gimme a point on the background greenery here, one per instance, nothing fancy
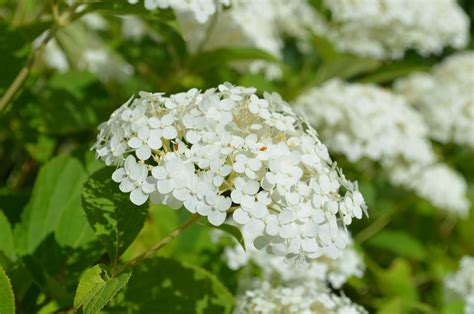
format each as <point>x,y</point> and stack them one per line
<point>49,237</point>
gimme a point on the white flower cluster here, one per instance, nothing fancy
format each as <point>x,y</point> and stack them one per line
<point>324,270</point>
<point>366,121</point>
<point>294,299</point>
<point>462,283</point>
<point>201,9</point>
<point>387,28</point>
<point>445,98</point>
<point>228,153</point>
<point>441,185</point>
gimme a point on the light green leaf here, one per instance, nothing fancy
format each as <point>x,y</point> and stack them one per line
<point>398,242</point>
<point>344,67</point>
<point>164,285</point>
<point>391,72</point>
<point>398,281</point>
<point>55,207</point>
<point>6,238</point>
<point>7,299</point>
<point>96,288</point>
<point>114,218</point>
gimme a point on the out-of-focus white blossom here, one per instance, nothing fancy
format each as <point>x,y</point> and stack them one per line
<point>437,183</point>
<point>133,27</point>
<point>306,298</point>
<point>105,65</point>
<point>366,121</point>
<point>387,28</point>
<point>202,10</point>
<point>334,271</point>
<point>228,154</point>
<point>445,98</point>
<point>54,57</point>
<point>462,283</point>
<point>94,21</point>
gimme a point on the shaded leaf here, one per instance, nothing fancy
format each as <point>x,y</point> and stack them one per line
<point>163,285</point>
<point>114,218</point>
<point>96,288</point>
<point>398,281</point>
<point>7,299</point>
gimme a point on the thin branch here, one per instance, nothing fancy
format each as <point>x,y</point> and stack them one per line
<point>162,243</point>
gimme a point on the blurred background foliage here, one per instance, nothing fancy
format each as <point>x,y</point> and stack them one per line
<point>47,130</point>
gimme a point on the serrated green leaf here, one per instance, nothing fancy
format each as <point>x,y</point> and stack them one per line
<point>114,218</point>
<point>55,206</point>
<point>7,247</point>
<point>399,242</point>
<point>96,288</point>
<point>163,285</point>
<point>7,299</point>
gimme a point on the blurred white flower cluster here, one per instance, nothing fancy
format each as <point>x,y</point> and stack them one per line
<point>228,153</point>
<point>323,270</point>
<point>202,10</point>
<point>387,28</point>
<point>367,121</point>
<point>462,283</point>
<point>308,298</point>
<point>438,183</point>
<point>445,98</point>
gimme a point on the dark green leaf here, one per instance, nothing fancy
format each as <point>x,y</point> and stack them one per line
<point>114,218</point>
<point>163,285</point>
<point>96,288</point>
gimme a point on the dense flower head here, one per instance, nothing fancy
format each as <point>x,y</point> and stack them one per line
<point>307,298</point>
<point>462,283</point>
<point>226,153</point>
<point>445,98</point>
<point>387,28</point>
<point>324,270</point>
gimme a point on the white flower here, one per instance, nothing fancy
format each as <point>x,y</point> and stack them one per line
<point>445,98</point>
<point>133,177</point>
<point>299,298</point>
<point>462,283</point>
<point>423,25</point>
<point>227,154</point>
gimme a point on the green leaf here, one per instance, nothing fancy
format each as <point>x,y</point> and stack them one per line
<point>114,218</point>
<point>398,281</point>
<point>231,230</point>
<point>55,206</point>
<point>344,67</point>
<point>96,288</point>
<point>400,243</point>
<point>6,238</point>
<point>164,285</point>
<point>391,72</point>
<point>7,299</point>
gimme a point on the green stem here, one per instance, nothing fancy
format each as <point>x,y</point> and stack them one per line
<point>175,233</point>
<point>373,228</point>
